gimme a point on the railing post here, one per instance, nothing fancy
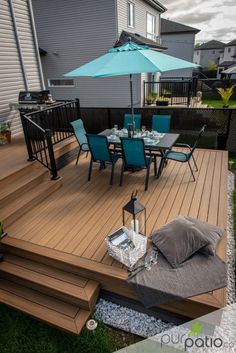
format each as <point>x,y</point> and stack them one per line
<point>77,104</point>
<point>27,138</point>
<point>189,95</point>
<point>53,165</point>
<point>144,93</point>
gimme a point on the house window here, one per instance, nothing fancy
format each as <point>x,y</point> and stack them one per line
<point>213,51</point>
<point>130,14</point>
<point>229,50</point>
<point>65,82</point>
<point>151,26</point>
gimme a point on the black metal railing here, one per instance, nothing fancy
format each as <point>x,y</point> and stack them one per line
<point>43,129</point>
<point>168,92</point>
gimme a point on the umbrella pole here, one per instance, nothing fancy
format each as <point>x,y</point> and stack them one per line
<point>131,98</point>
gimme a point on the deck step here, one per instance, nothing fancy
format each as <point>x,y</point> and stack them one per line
<point>21,171</point>
<point>65,316</point>
<point>51,281</point>
<point>25,201</point>
<point>21,185</point>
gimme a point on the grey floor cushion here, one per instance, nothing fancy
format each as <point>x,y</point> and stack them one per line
<point>178,240</point>
<point>211,232</point>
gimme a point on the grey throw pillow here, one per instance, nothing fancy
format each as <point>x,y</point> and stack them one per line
<point>211,233</point>
<point>178,240</point>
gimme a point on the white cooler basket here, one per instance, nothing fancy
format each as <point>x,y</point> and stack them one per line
<point>128,257</point>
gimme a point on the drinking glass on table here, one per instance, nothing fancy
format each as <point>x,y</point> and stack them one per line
<point>115,129</point>
<point>143,129</point>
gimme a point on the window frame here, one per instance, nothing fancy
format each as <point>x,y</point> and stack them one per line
<point>60,79</point>
<point>130,3</point>
<point>154,34</point>
<point>229,49</point>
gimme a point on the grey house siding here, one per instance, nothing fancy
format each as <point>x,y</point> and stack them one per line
<point>140,22</point>
<point>202,57</point>
<point>11,77</point>
<point>180,45</point>
<point>74,32</point>
<point>140,27</point>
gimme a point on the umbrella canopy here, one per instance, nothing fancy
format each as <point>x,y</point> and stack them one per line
<point>130,58</point>
<point>231,70</point>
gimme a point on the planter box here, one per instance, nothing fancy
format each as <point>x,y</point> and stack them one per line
<point>162,103</point>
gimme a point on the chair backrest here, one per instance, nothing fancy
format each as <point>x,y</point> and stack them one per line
<point>200,133</point>
<point>99,147</point>
<point>129,120</point>
<point>79,131</point>
<point>161,123</point>
<point>133,152</point>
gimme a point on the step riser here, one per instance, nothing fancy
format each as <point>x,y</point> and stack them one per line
<point>48,291</point>
<point>33,202</point>
<point>11,178</point>
<point>103,280</point>
<point>24,188</point>
<point>65,149</point>
<point>43,260</point>
<point>50,310</point>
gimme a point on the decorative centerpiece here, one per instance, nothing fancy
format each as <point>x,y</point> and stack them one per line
<point>129,243</point>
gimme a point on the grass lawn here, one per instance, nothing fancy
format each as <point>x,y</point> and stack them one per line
<point>218,103</point>
<point>21,334</point>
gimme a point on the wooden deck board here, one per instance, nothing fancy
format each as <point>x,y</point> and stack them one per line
<point>75,219</point>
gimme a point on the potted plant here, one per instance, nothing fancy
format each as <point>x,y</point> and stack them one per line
<point>2,233</point>
<point>162,101</point>
<point>5,131</point>
<point>225,94</point>
<point>151,97</point>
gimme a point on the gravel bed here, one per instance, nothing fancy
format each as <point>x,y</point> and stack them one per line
<point>144,325</point>
<point>230,242</point>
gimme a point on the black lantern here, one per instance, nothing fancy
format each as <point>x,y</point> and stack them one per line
<point>134,215</point>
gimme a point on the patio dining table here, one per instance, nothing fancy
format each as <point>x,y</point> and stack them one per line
<point>159,142</point>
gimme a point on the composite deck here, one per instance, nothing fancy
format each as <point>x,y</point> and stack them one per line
<point>71,224</point>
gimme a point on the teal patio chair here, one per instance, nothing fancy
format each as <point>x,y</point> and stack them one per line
<point>161,123</point>
<point>80,134</point>
<point>129,120</point>
<point>182,156</point>
<point>100,153</point>
<point>133,151</point>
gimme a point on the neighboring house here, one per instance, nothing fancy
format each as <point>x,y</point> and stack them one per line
<point>208,52</point>
<point>229,53</point>
<point>179,39</point>
<point>74,32</point>
<point>228,58</point>
<point>19,57</point>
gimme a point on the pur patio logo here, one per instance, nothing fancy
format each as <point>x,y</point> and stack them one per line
<point>194,338</point>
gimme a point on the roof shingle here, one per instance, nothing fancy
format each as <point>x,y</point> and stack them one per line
<point>212,44</point>
<point>168,26</point>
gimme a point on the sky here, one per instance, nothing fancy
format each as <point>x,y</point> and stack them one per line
<point>215,18</point>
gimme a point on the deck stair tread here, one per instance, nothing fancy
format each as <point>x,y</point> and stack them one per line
<point>58,313</point>
<point>21,184</point>
<point>63,285</point>
<point>25,201</point>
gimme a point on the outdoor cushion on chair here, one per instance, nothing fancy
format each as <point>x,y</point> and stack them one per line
<point>212,233</point>
<point>178,240</point>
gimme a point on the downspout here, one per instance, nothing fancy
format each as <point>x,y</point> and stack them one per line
<point>36,44</point>
<point>117,20</point>
<point>18,44</point>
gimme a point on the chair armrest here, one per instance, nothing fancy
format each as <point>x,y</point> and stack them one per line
<point>182,145</point>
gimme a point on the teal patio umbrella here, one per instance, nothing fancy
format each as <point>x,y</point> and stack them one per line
<point>129,59</point>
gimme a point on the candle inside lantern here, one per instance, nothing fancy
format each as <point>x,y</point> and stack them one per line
<point>135,225</point>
